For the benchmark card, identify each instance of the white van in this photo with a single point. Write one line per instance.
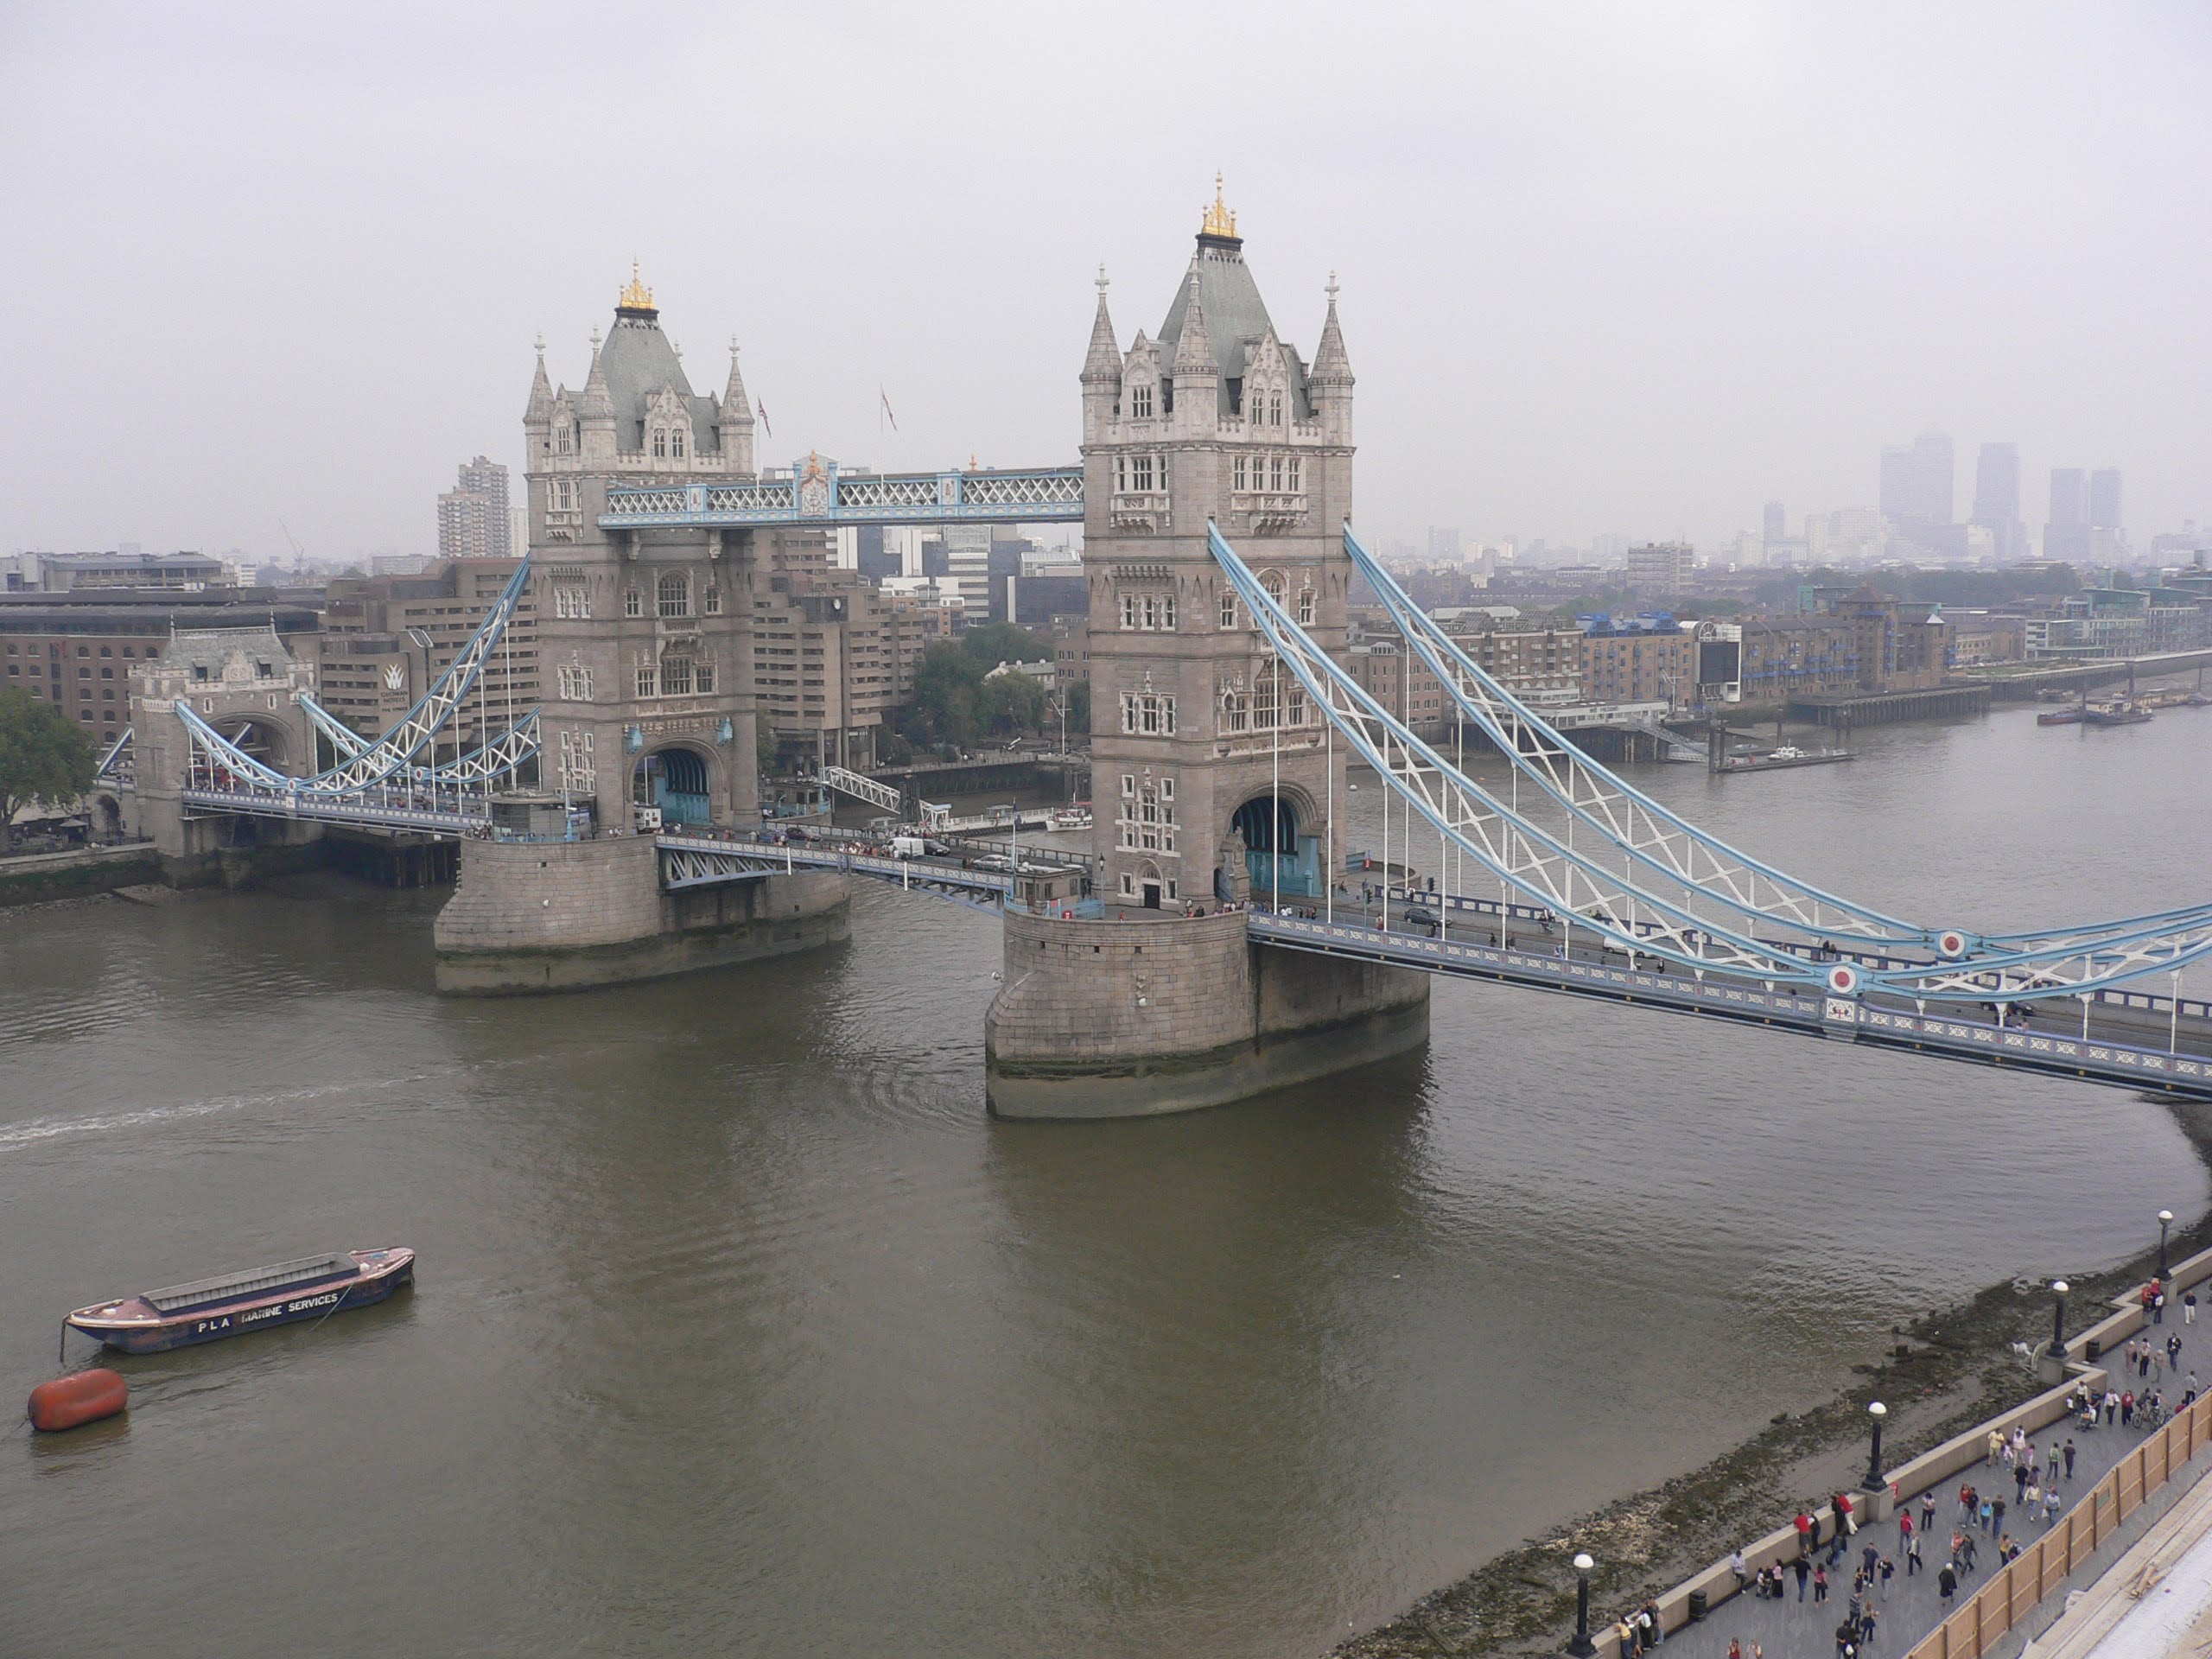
(645, 820)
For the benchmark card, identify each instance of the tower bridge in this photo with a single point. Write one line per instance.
(1208, 946)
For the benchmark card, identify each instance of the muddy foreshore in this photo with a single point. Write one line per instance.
(1944, 1373)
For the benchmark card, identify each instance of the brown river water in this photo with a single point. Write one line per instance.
(741, 1329)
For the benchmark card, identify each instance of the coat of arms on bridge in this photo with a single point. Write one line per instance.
(814, 489)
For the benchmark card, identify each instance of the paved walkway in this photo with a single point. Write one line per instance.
(1912, 1607)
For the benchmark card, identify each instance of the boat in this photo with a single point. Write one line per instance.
(231, 1304)
(2114, 714)
(1072, 818)
(2060, 717)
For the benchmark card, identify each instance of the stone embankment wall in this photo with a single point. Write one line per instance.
(560, 915)
(30, 878)
(1133, 1018)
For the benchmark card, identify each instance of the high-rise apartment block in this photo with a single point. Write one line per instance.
(474, 522)
(2066, 532)
(1660, 568)
(1444, 543)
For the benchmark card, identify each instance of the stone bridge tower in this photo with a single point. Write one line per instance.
(1144, 1009)
(1217, 418)
(644, 636)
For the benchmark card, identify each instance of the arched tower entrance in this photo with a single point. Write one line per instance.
(677, 779)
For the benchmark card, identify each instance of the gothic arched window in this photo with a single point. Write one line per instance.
(1274, 408)
(660, 443)
(675, 443)
(674, 594)
(633, 602)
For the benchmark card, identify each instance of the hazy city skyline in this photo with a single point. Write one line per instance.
(1604, 272)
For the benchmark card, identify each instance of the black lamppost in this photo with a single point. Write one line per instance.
(2058, 1288)
(2165, 1221)
(1878, 1411)
(1582, 1647)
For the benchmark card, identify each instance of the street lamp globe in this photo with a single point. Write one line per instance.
(1583, 1563)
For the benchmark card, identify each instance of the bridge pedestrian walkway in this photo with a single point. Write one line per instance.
(1468, 945)
(1912, 1606)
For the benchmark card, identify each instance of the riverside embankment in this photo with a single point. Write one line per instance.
(1947, 1378)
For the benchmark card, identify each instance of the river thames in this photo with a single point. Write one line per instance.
(741, 1329)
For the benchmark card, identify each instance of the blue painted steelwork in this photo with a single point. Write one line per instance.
(820, 493)
(1945, 1034)
(455, 814)
(1685, 922)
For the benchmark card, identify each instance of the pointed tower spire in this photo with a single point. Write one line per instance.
(734, 420)
(540, 390)
(1103, 361)
(1332, 365)
(1194, 346)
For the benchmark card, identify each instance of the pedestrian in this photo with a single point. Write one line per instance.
(1969, 1553)
(1869, 1559)
(1996, 1515)
(1988, 1510)
(1927, 1510)
(2188, 1308)
(2173, 1350)
(1857, 1602)
(1804, 1572)
(1735, 1649)
(2128, 1363)
(1904, 1522)
(1736, 1566)
(2128, 1409)
(1804, 1524)
(2050, 1507)
(1912, 1561)
(1819, 1585)
(1947, 1581)
(1866, 1627)
(1889, 1572)
(2190, 1398)
(1996, 1448)
(1965, 1504)
(2033, 1497)
(1654, 1628)
(1631, 1646)
(2069, 1457)
(2111, 1406)
(2053, 1481)
(2021, 1474)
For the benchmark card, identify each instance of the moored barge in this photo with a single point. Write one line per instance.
(231, 1304)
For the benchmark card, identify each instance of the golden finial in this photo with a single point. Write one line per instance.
(1218, 221)
(637, 297)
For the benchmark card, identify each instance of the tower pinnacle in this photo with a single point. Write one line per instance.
(1219, 221)
(636, 299)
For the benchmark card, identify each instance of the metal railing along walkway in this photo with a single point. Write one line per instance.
(1727, 997)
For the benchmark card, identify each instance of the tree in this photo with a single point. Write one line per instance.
(42, 758)
(1078, 705)
(1002, 642)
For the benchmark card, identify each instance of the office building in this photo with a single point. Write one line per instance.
(1997, 501)
(1444, 543)
(386, 639)
(1917, 488)
(2066, 532)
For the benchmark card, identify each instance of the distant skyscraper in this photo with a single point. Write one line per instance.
(2104, 499)
(1917, 491)
(1997, 499)
(473, 519)
(1444, 543)
(2066, 532)
(1777, 524)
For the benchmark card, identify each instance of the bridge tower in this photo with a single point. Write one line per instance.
(644, 636)
(1197, 733)
(1194, 729)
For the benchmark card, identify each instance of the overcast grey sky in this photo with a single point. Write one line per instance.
(1630, 267)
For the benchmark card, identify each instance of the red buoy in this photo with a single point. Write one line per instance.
(82, 1397)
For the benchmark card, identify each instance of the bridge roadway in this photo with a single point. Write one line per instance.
(1531, 954)
(2052, 1041)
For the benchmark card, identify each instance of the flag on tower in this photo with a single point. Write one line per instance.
(763, 408)
(885, 396)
